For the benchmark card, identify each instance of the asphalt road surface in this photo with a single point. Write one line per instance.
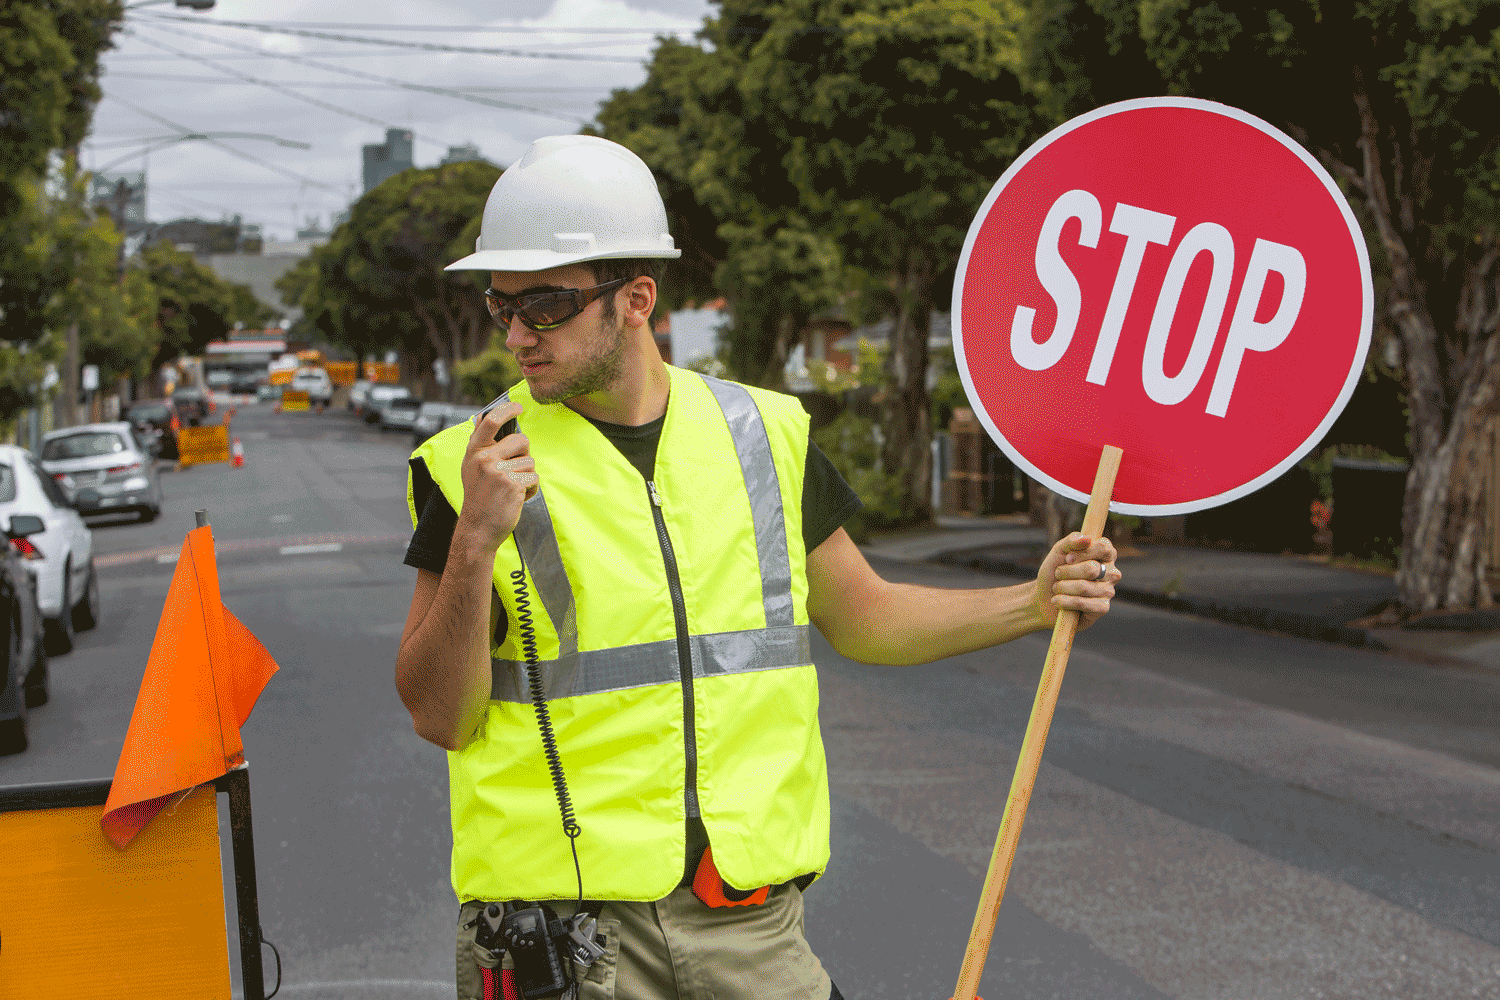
(1221, 813)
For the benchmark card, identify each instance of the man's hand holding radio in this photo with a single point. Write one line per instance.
(498, 477)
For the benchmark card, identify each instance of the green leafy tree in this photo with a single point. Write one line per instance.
(891, 121)
(489, 373)
(194, 305)
(49, 84)
(843, 149)
(660, 122)
(730, 208)
(1397, 99)
(62, 269)
(379, 281)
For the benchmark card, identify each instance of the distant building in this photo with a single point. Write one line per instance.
(120, 195)
(389, 158)
(463, 154)
(260, 271)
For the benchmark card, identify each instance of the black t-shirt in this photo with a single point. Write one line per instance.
(827, 500)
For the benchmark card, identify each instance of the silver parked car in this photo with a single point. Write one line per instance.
(378, 397)
(398, 414)
(109, 460)
(434, 416)
(61, 555)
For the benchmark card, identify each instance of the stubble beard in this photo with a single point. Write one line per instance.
(600, 368)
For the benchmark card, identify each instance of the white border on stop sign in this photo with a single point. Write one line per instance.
(1356, 369)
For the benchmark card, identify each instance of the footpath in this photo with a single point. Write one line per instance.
(1296, 595)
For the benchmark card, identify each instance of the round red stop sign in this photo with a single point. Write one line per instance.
(1170, 276)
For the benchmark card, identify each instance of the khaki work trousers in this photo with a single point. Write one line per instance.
(679, 947)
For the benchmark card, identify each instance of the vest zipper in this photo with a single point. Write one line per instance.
(684, 654)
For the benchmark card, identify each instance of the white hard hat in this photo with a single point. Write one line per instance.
(571, 198)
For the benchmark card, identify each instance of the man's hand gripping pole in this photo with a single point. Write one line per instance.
(1031, 749)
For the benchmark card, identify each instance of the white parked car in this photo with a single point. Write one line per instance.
(316, 383)
(63, 560)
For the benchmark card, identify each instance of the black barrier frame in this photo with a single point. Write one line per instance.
(235, 784)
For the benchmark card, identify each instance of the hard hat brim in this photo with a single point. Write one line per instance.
(543, 260)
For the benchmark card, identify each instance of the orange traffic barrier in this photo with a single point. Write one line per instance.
(203, 676)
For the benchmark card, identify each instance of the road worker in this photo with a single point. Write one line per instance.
(678, 533)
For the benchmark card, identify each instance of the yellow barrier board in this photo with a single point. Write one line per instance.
(197, 445)
(158, 906)
(381, 372)
(341, 372)
(282, 376)
(293, 400)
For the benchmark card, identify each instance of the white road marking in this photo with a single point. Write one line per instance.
(167, 559)
(302, 550)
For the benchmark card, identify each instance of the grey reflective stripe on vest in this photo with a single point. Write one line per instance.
(537, 542)
(748, 429)
(781, 644)
(595, 671)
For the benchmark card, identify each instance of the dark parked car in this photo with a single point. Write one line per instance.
(23, 675)
(156, 420)
(193, 405)
(248, 381)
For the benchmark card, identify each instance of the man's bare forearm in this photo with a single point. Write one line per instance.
(906, 624)
(443, 668)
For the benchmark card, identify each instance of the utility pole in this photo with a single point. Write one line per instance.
(70, 378)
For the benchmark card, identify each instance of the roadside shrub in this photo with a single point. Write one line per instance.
(852, 444)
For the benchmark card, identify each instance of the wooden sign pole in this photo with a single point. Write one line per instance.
(1031, 749)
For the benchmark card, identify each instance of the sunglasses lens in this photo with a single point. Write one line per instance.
(549, 309)
(499, 310)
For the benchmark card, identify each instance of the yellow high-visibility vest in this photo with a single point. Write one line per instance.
(670, 618)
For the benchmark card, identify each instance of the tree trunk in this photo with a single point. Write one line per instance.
(1445, 545)
(1452, 384)
(906, 426)
(773, 376)
(445, 347)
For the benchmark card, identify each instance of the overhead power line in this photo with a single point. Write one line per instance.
(404, 85)
(112, 58)
(467, 29)
(279, 88)
(228, 149)
(424, 46)
(352, 84)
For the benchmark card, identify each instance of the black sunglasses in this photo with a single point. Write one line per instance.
(545, 310)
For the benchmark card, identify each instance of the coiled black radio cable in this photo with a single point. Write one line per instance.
(544, 717)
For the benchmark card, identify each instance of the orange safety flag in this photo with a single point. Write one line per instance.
(202, 679)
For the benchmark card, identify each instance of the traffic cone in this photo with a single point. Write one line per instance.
(203, 676)
(237, 454)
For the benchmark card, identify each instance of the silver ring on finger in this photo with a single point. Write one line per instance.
(523, 478)
(1103, 572)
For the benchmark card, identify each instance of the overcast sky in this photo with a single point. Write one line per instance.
(143, 74)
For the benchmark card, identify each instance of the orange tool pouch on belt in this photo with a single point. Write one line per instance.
(709, 887)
